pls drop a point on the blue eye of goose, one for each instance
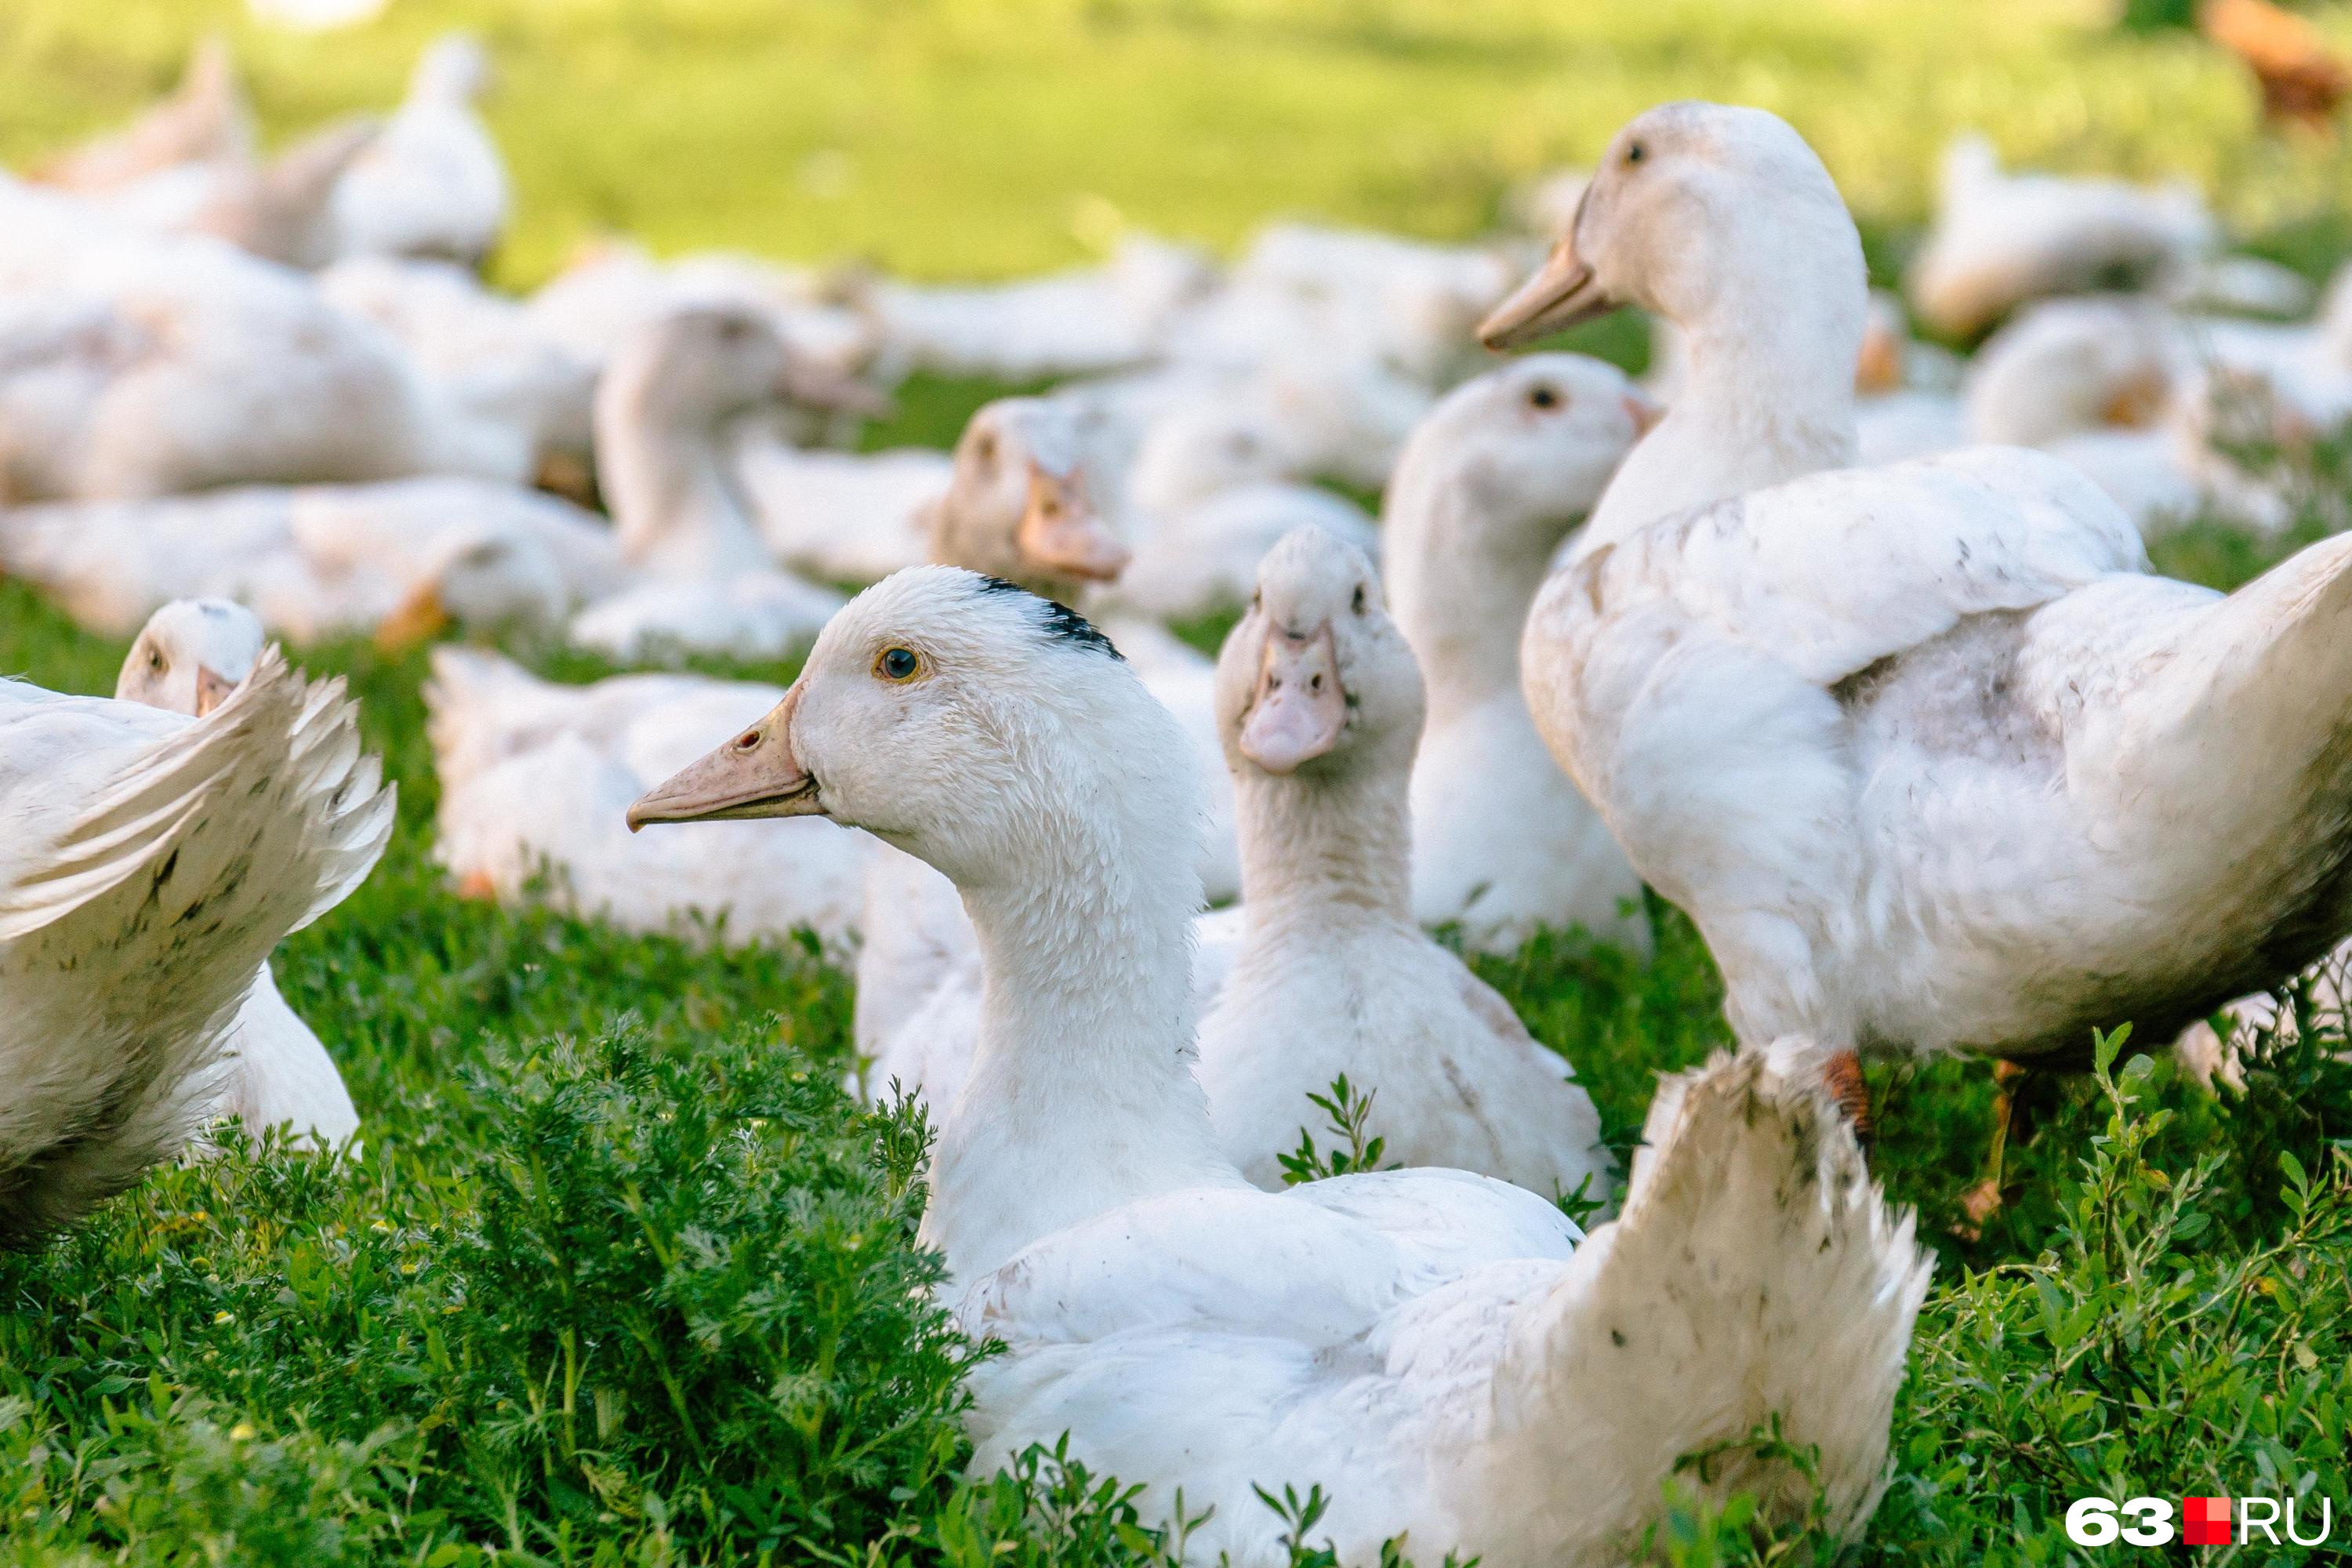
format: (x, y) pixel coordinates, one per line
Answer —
(897, 663)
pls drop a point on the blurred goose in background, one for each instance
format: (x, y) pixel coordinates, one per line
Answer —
(187, 659)
(281, 211)
(1444, 1351)
(536, 778)
(1930, 756)
(432, 184)
(205, 120)
(1319, 704)
(483, 353)
(399, 560)
(134, 365)
(663, 410)
(1490, 484)
(2000, 240)
(154, 861)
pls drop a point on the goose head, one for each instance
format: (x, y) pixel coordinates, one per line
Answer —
(454, 68)
(489, 581)
(1316, 679)
(1701, 212)
(1020, 505)
(190, 656)
(1201, 448)
(997, 735)
(1531, 444)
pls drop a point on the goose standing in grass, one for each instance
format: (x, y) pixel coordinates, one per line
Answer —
(1488, 487)
(1320, 703)
(433, 184)
(187, 659)
(1928, 752)
(663, 409)
(1438, 1349)
(153, 861)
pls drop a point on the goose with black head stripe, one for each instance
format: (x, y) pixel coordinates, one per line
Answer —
(1930, 755)
(1438, 1351)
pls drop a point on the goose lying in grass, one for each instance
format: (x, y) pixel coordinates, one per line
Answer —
(2000, 240)
(1930, 756)
(1437, 1350)
(663, 408)
(134, 365)
(281, 211)
(399, 560)
(1320, 703)
(187, 659)
(153, 861)
(530, 771)
(433, 184)
(1488, 487)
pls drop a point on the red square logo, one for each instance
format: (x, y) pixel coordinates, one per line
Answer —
(2205, 1521)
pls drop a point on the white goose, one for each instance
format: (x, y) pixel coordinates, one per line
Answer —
(663, 409)
(2000, 240)
(205, 120)
(154, 860)
(1436, 1349)
(1320, 703)
(433, 184)
(187, 659)
(533, 775)
(399, 559)
(1488, 487)
(1927, 754)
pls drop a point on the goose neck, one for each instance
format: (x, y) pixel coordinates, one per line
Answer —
(1081, 1096)
(1326, 851)
(1461, 580)
(673, 495)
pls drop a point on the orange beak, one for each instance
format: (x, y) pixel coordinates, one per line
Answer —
(420, 617)
(212, 688)
(755, 774)
(1061, 533)
(1299, 709)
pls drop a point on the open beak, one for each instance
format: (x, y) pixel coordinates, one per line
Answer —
(753, 775)
(1299, 708)
(1062, 534)
(1562, 293)
(420, 617)
(814, 385)
(212, 688)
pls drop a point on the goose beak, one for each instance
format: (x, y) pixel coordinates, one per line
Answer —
(1061, 533)
(814, 385)
(753, 775)
(1299, 708)
(1878, 370)
(1644, 411)
(212, 688)
(420, 617)
(1562, 293)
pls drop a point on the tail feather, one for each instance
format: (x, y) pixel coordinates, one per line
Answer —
(1756, 1271)
(126, 954)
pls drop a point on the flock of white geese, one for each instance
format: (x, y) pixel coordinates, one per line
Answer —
(1928, 753)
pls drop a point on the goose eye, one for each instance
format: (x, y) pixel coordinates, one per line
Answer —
(1359, 598)
(1543, 397)
(899, 664)
(155, 659)
(984, 448)
(1635, 154)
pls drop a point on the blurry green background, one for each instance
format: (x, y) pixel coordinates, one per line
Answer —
(977, 138)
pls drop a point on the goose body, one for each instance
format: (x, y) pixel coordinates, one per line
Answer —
(433, 184)
(1928, 754)
(1437, 1350)
(155, 860)
(205, 120)
(531, 772)
(1489, 486)
(187, 659)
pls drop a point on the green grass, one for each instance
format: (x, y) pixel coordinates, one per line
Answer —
(989, 137)
(625, 1279)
